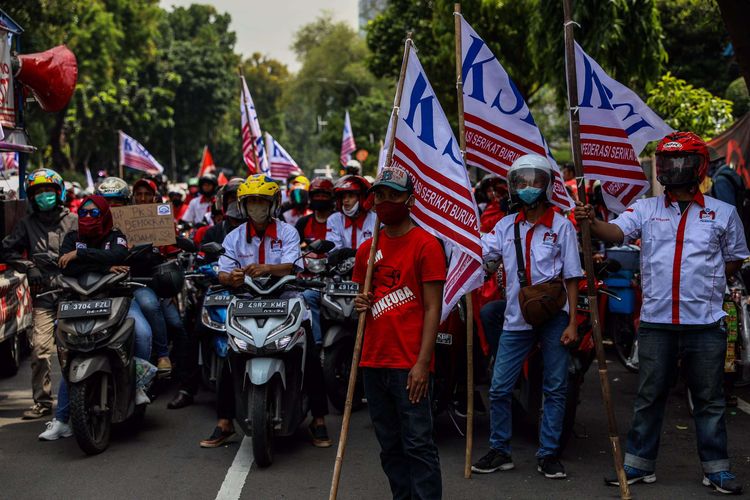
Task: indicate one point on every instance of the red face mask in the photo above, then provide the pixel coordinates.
(391, 213)
(93, 230)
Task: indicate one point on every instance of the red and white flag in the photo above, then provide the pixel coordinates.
(615, 127)
(424, 145)
(135, 156)
(499, 125)
(207, 162)
(282, 163)
(347, 141)
(252, 139)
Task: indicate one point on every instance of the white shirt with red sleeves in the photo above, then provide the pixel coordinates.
(550, 250)
(279, 245)
(197, 210)
(346, 232)
(683, 256)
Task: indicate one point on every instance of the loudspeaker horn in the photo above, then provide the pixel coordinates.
(50, 76)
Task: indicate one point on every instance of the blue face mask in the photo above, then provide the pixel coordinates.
(46, 201)
(529, 195)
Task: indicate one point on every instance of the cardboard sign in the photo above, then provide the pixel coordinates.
(151, 223)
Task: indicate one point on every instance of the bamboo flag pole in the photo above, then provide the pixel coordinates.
(575, 133)
(249, 123)
(368, 284)
(119, 140)
(469, 305)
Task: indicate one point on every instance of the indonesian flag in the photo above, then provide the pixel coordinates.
(207, 162)
(347, 141)
(251, 136)
(222, 179)
(615, 127)
(282, 163)
(424, 145)
(135, 156)
(9, 161)
(499, 125)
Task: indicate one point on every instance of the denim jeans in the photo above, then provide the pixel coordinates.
(511, 353)
(141, 349)
(312, 298)
(492, 316)
(151, 308)
(408, 453)
(702, 353)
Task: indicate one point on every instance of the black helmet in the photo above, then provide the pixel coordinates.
(208, 178)
(168, 279)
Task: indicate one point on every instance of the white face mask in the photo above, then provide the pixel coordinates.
(352, 211)
(258, 213)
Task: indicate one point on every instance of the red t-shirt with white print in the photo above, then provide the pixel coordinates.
(393, 332)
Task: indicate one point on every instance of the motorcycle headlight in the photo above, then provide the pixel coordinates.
(315, 266)
(238, 325)
(289, 321)
(210, 323)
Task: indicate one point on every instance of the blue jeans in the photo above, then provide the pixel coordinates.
(511, 353)
(149, 304)
(141, 349)
(702, 353)
(492, 316)
(312, 298)
(408, 453)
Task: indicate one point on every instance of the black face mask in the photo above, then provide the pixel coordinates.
(321, 205)
(298, 197)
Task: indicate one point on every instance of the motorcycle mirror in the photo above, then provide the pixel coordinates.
(321, 246)
(186, 244)
(212, 249)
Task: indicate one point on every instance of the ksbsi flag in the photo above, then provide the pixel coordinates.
(424, 145)
(282, 163)
(252, 139)
(499, 125)
(347, 141)
(135, 156)
(615, 127)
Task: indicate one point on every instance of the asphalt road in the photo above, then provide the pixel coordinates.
(163, 459)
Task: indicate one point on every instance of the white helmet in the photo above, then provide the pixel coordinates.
(531, 171)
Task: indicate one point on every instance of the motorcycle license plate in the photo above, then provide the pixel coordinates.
(349, 288)
(217, 300)
(444, 338)
(84, 309)
(266, 307)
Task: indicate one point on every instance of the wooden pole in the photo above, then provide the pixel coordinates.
(368, 284)
(249, 123)
(469, 305)
(575, 133)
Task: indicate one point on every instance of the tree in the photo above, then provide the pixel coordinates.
(737, 93)
(685, 107)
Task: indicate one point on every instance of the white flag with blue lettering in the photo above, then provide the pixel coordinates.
(424, 145)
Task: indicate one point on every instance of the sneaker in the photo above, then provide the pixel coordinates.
(319, 435)
(551, 467)
(493, 461)
(141, 398)
(163, 367)
(37, 411)
(56, 430)
(634, 476)
(217, 438)
(723, 482)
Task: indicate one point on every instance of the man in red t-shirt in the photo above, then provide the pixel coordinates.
(403, 313)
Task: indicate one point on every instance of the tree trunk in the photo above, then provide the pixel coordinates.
(736, 17)
(60, 160)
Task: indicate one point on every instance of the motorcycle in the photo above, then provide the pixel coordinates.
(213, 339)
(267, 331)
(95, 346)
(620, 274)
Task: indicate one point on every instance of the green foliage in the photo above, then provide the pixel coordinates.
(737, 93)
(685, 107)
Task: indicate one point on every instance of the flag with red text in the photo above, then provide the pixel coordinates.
(499, 125)
(424, 145)
(615, 127)
(347, 141)
(134, 155)
(252, 140)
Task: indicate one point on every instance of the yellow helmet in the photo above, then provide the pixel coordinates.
(259, 186)
(302, 180)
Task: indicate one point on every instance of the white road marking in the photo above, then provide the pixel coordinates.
(231, 488)
(743, 405)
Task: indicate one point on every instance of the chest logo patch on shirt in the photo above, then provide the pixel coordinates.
(80, 244)
(707, 215)
(107, 245)
(549, 238)
(121, 241)
(391, 301)
(366, 234)
(276, 245)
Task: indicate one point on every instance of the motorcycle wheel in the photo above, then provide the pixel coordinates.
(623, 338)
(337, 365)
(262, 402)
(10, 356)
(91, 425)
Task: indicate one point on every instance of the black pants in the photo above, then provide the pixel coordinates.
(314, 385)
(186, 348)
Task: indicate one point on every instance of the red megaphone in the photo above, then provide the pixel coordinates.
(50, 76)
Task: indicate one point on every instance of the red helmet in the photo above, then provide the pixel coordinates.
(352, 184)
(321, 185)
(681, 159)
